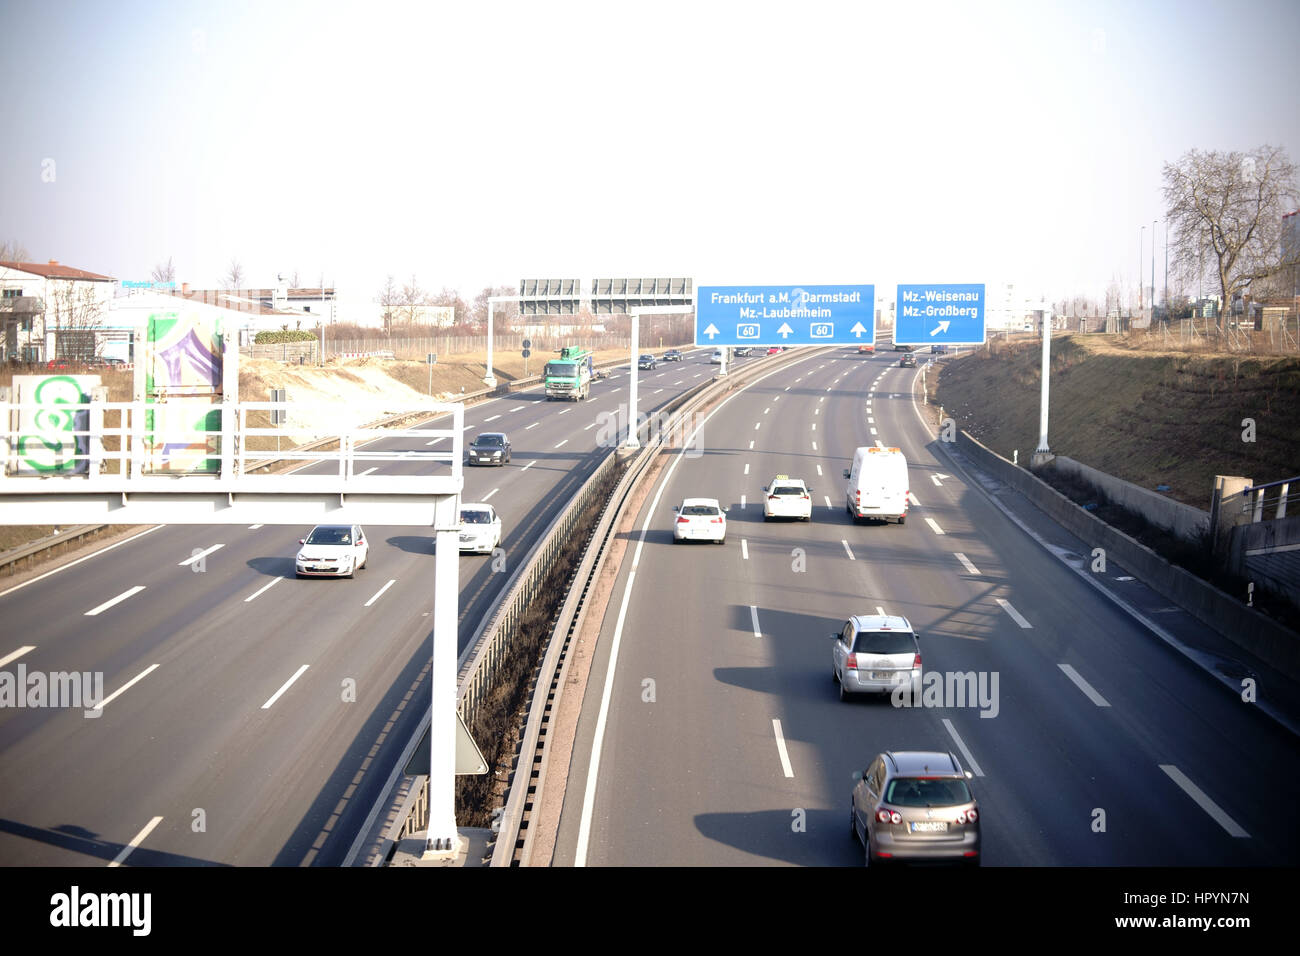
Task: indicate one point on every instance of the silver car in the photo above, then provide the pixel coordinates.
(916, 805)
(876, 653)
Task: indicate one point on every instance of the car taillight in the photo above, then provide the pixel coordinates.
(916, 662)
(882, 816)
(715, 521)
(851, 662)
(805, 497)
(888, 816)
(972, 815)
(771, 497)
(683, 520)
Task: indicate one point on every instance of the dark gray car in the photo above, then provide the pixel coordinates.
(489, 448)
(916, 805)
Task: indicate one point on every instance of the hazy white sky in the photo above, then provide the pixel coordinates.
(765, 143)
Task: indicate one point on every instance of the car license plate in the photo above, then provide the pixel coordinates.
(929, 826)
(884, 675)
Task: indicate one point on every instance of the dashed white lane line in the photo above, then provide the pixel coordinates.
(817, 411)
(965, 563)
(1015, 615)
(746, 467)
(362, 474)
(819, 469)
(814, 428)
(527, 466)
(436, 440)
(821, 399)
(753, 620)
(199, 556)
(562, 443)
(491, 419)
(254, 527)
(961, 745)
(847, 549)
(1088, 690)
(751, 445)
(870, 420)
(380, 592)
(567, 410)
(586, 427)
(756, 424)
(533, 425)
(135, 842)
(1204, 802)
(916, 502)
(880, 610)
(117, 600)
(742, 502)
(814, 446)
(827, 499)
(744, 550)
(780, 748)
(766, 410)
(656, 391)
(934, 526)
(264, 588)
(285, 686)
(127, 686)
(490, 493)
(518, 408)
(25, 649)
(874, 432)
(879, 444)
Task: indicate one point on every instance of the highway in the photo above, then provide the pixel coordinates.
(252, 718)
(716, 736)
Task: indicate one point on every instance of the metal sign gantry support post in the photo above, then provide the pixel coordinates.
(490, 380)
(634, 353)
(1043, 454)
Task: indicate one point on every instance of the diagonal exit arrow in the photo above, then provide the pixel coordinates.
(784, 331)
(937, 478)
(857, 329)
(711, 330)
(943, 327)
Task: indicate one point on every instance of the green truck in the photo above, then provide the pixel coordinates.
(570, 375)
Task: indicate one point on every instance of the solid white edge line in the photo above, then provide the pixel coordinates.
(380, 592)
(264, 588)
(285, 686)
(1015, 615)
(961, 745)
(73, 564)
(117, 600)
(135, 842)
(1205, 803)
(753, 621)
(1088, 690)
(780, 748)
(598, 738)
(200, 556)
(25, 649)
(124, 688)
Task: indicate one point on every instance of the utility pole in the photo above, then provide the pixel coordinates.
(1142, 235)
(1153, 268)
(1166, 270)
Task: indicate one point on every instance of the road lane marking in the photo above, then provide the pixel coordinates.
(1204, 802)
(756, 424)
(870, 420)
(254, 527)
(744, 550)
(655, 392)
(25, 649)
(819, 470)
(847, 549)
(780, 748)
(878, 443)
(491, 419)
(916, 502)
(742, 501)
(961, 745)
(264, 588)
(200, 556)
(117, 600)
(817, 411)
(529, 465)
(125, 687)
(1015, 615)
(533, 425)
(827, 499)
(588, 427)
(1083, 685)
(287, 684)
(563, 443)
(753, 620)
(380, 592)
(135, 842)
(518, 408)
(933, 526)
(814, 446)
(436, 440)
(368, 471)
(746, 467)
(965, 561)
(880, 610)
(874, 432)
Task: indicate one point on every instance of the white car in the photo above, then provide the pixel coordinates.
(332, 550)
(787, 497)
(700, 519)
(480, 528)
(716, 358)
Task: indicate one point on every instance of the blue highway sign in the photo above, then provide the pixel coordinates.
(933, 314)
(785, 314)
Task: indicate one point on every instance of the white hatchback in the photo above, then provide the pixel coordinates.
(480, 528)
(700, 519)
(787, 497)
(332, 550)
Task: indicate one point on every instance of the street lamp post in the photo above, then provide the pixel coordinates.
(1153, 269)
(1142, 244)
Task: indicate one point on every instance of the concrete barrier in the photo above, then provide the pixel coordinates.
(1175, 517)
(1244, 626)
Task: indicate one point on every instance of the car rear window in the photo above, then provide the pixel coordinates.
(699, 510)
(921, 792)
(885, 642)
(788, 490)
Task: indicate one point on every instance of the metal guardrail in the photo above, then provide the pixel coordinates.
(1253, 499)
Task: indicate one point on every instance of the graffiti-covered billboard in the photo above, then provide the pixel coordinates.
(47, 443)
(182, 378)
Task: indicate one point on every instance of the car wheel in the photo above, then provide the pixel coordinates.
(844, 694)
(853, 821)
(902, 518)
(866, 855)
(722, 540)
(767, 517)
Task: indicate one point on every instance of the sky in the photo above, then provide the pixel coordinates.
(755, 143)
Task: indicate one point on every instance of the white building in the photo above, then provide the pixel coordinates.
(51, 310)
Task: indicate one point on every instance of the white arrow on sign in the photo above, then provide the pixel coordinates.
(784, 331)
(943, 327)
(936, 479)
(710, 330)
(857, 329)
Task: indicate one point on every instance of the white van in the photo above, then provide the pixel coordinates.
(877, 485)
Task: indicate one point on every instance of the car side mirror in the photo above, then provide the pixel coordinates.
(302, 540)
(846, 472)
(835, 635)
(674, 509)
(969, 775)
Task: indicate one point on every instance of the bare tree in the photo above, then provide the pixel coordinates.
(164, 271)
(460, 308)
(389, 299)
(11, 250)
(235, 276)
(1226, 210)
(503, 312)
(75, 314)
(413, 297)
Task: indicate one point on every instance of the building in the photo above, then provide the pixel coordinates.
(50, 310)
